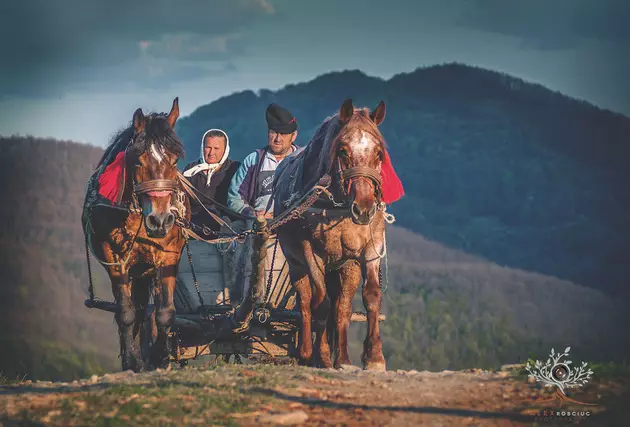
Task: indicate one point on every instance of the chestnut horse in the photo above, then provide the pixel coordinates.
(328, 255)
(140, 247)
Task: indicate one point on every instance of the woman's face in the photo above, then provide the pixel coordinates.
(214, 149)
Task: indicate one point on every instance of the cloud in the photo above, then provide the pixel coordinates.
(41, 39)
(551, 25)
(195, 47)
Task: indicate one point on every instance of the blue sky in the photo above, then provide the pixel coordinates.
(76, 69)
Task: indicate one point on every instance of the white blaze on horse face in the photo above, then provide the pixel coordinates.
(363, 147)
(157, 153)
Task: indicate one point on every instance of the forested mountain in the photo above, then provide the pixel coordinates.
(445, 308)
(47, 332)
(492, 165)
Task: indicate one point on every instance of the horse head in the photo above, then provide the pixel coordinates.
(358, 155)
(155, 150)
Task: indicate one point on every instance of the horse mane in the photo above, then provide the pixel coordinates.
(157, 131)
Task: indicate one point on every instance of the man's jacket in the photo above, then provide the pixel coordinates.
(252, 184)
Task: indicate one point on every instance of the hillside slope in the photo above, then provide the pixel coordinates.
(492, 165)
(50, 334)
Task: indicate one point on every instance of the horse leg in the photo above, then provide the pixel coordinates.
(125, 316)
(164, 314)
(348, 281)
(320, 304)
(305, 338)
(332, 289)
(143, 326)
(372, 357)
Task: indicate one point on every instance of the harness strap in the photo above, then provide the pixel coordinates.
(156, 184)
(187, 188)
(361, 171)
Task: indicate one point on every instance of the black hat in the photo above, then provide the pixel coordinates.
(280, 119)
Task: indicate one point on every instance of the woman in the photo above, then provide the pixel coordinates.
(211, 176)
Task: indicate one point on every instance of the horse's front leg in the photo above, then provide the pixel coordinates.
(166, 279)
(349, 280)
(372, 357)
(125, 316)
(141, 291)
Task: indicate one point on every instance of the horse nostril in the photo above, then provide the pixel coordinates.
(170, 219)
(152, 222)
(355, 209)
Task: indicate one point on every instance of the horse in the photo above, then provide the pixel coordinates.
(140, 247)
(328, 254)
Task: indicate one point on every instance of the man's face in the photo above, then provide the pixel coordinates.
(214, 149)
(280, 143)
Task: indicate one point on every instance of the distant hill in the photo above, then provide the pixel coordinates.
(47, 332)
(492, 165)
(445, 308)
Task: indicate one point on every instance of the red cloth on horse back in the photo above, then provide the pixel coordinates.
(110, 181)
(392, 187)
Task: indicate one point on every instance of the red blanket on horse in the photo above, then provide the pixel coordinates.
(392, 187)
(110, 183)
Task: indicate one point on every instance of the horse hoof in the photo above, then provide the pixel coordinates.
(375, 366)
(325, 364)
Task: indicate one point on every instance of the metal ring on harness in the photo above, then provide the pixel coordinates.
(262, 314)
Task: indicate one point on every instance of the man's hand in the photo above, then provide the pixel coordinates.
(267, 215)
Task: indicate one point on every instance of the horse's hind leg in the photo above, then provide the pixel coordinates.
(320, 305)
(302, 286)
(125, 318)
(164, 315)
(372, 357)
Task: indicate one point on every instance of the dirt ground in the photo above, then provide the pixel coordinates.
(252, 395)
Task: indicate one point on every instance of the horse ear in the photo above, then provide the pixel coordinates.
(378, 115)
(174, 114)
(139, 121)
(346, 111)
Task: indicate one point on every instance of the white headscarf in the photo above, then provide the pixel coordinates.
(210, 167)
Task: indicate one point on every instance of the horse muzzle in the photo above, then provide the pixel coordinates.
(159, 224)
(362, 216)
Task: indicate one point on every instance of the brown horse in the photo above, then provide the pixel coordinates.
(140, 247)
(328, 255)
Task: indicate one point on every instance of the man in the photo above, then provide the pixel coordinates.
(250, 190)
(211, 175)
(250, 194)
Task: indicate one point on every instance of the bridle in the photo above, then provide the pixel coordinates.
(139, 188)
(170, 185)
(347, 175)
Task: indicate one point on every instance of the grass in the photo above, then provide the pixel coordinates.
(166, 401)
(5, 380)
